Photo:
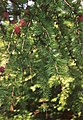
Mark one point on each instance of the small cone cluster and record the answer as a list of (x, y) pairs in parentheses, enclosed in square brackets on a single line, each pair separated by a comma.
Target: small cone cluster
[(17, 28)]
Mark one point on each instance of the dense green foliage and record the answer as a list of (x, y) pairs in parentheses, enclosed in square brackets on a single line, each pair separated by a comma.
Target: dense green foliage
[(41, 65)]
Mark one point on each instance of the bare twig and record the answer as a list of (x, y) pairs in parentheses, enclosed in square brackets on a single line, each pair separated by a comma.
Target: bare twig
[(68, 4), (23, 42)]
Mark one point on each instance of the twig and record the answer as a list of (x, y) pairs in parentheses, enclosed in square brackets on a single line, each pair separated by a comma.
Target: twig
[(68, 4), (23, 42), (31, 73)]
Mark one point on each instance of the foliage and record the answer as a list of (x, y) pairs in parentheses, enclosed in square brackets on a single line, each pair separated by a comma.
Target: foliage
[(41, 53)]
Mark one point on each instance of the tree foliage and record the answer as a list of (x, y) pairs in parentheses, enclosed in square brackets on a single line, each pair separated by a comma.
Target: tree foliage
[(41, 59)]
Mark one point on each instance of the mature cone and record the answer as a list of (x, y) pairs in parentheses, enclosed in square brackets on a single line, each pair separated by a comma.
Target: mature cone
[(6, 15), (17, 29), (80, 17), (22, 23), (2, 69)]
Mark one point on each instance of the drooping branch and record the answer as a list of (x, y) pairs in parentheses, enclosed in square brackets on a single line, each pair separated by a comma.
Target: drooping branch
[(60, 25)]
